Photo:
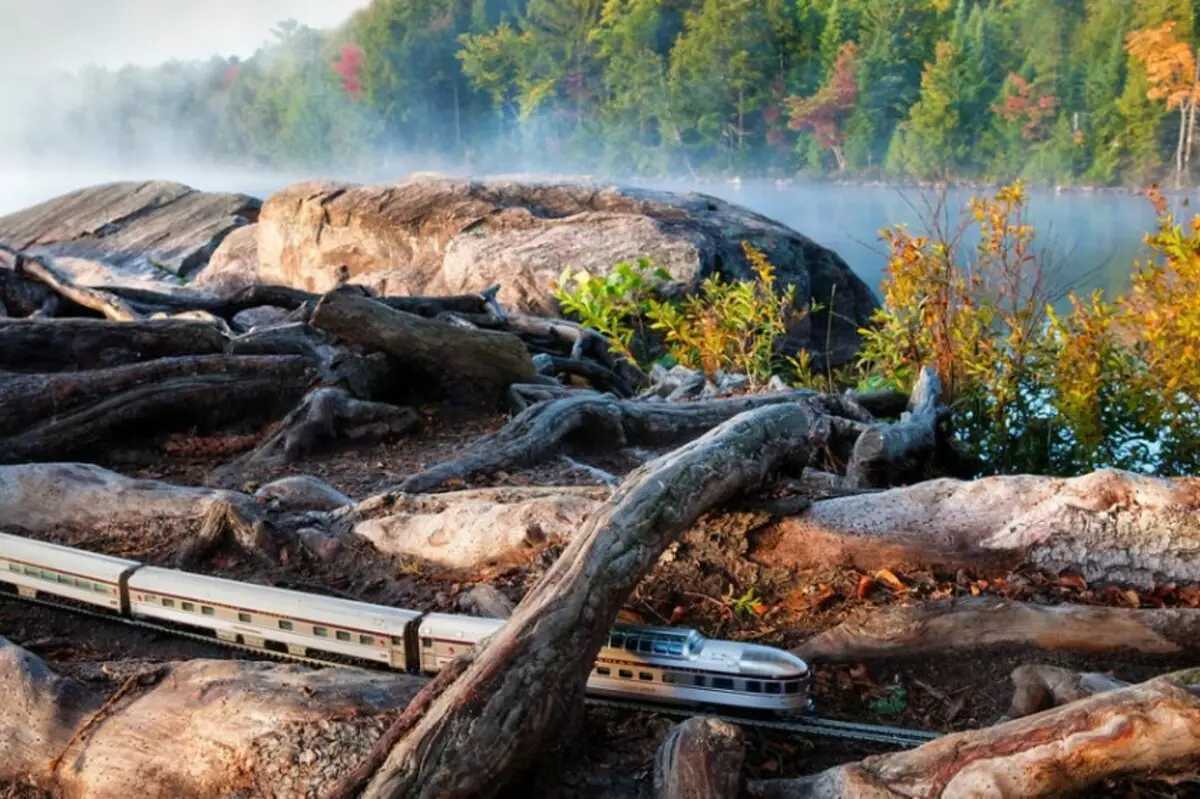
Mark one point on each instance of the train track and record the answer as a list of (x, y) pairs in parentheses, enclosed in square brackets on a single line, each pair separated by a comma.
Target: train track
[(805, 725)]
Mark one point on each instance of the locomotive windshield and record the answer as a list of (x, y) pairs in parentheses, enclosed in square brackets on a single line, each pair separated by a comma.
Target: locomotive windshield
[(664, 642)]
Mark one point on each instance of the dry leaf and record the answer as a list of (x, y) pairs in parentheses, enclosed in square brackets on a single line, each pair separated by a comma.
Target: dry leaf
[(1072, 581), (1133, 598), (865, 586), (886, 576), (676, 615)]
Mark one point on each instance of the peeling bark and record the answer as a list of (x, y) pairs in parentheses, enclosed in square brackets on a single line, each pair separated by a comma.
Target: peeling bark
[(1110, 525), (1152, 727), (948, 625), (700, 759), (527, 681)]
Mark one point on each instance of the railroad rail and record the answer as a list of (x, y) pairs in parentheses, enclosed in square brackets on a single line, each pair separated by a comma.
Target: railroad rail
[(806, 725)]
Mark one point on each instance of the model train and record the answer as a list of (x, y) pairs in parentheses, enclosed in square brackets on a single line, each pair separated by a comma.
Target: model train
[(663, 664)]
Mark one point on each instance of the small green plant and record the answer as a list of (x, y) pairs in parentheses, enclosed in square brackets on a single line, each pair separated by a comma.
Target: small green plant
[(748, 604), (613, 306), (895, 703)]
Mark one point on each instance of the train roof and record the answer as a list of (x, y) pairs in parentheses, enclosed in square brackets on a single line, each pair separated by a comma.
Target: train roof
[(276, 601), (476, 627), (65, 559)]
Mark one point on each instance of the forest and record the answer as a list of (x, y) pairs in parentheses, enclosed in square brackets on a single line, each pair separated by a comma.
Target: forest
[(1092, 92)]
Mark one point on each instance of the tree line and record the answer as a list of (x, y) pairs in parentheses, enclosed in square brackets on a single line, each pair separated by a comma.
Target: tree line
[(1049, 91)]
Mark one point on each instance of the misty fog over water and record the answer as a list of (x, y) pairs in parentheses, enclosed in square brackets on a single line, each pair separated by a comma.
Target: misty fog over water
[(1092, 239)]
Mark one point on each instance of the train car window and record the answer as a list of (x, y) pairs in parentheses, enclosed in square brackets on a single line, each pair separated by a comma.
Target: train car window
[(774, 688), (645, 675), (427, 643), (12, 567), (791, 687), (631, 644), (343, 636), (660, 647), (320, 632), (246, 617), (64, 579), (676, 649), (617, 641), (100, 588), (647, 647), (168, 603), (366, 639), (625, 673), (30, 572), (47, 575), (672, 679), (397, 640), (206, 610), (189, 607), (724, 683), (754, 686), (84, 584), (603, 671), (285, 625), (699, 680)]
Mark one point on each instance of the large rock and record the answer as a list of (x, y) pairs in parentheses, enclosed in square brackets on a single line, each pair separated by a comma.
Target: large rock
[(432, 235), (129, 230)]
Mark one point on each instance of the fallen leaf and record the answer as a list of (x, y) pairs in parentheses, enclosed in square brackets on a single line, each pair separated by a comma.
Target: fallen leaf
[(974, 590), (865, 586), (1133, 598), (676, 615), (624, 614), (886, 576), (1190, 595), (1072, 581), (983, 584), (770, 766)]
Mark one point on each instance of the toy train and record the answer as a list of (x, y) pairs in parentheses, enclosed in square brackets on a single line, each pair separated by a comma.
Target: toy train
[(655, 664)]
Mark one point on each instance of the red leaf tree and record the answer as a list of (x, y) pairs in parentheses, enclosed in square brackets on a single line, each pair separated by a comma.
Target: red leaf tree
[(826, 111), (1025, 105), (348, 65)]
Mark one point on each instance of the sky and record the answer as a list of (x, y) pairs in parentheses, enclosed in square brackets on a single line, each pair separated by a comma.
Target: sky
[(47, 35)]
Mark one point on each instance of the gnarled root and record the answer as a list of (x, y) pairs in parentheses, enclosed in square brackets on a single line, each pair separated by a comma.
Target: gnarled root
[(700, 759)]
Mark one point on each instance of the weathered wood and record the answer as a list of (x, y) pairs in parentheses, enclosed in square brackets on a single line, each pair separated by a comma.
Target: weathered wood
[(1038, 687), (200, 728), (539, 432), (474, 366), (901, 453), (527, 682), (700, 759), (601, 377), (52, 416), (1108, 525), (38, 345), (977, 622), (1150, 728), (111, 306)]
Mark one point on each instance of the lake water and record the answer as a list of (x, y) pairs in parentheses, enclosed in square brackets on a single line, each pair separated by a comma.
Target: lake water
[(1090, 239)]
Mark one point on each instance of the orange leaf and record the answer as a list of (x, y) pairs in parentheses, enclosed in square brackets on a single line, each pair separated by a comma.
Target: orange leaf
[(1072, 581), (865, 586), (1133, 598), (886, 575), (676, 615)]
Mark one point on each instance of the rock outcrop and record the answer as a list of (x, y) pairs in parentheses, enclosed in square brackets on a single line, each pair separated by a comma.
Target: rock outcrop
[(431, 235), (129, 231)]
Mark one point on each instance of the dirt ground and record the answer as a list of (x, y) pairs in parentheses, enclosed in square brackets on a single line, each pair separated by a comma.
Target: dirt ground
[(706, 582)]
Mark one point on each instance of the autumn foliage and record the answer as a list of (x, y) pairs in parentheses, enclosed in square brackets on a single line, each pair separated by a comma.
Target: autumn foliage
[(348, 65), (1032, 109), (1171, 72), (825, 112)]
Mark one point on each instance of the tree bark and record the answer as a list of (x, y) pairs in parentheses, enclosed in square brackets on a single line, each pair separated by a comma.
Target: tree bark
[(1110, 525), (903, 453), (51, 416), (36, 345), (1152, 727), (528, 679), (112, 307), (200, 728), (700, 759), (945, 626), (468, 366)]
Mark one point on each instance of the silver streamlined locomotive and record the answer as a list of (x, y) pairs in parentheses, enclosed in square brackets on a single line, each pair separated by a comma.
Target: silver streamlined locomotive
[(661, 664)]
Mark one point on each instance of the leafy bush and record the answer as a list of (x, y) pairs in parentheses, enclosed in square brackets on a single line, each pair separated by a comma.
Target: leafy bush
[(615, 305)]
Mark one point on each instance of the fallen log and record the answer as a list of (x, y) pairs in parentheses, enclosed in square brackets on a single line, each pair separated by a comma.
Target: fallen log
[(40, 345), (1148, 728), (1038, 687), (1110, 525), (700, 759), (200, 728), (465, 366), (526, 684), (52, 416), (109, 305), (901, 453), (977, 622)]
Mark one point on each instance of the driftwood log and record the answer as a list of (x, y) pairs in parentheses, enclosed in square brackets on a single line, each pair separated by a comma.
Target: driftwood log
[(469, 366), (43, 345), (700, 759)]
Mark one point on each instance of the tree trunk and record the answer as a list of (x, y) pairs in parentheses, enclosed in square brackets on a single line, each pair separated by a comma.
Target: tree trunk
[(700, 759), (1179, 147), (36, 345), (51, 416), (472, 366), (945, 626), (840, 155), (1151, 727), (1110, 525), (527, 681), (896, 454), (204, 728)]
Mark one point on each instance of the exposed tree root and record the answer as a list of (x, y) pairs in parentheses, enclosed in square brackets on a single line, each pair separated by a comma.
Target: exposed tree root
[(947, 625), (203, 728), (700, 759), (901, 453), (527, 681), (1152, 727), (1111, 525), (109, 305), (1037, 687), (31, 345)]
